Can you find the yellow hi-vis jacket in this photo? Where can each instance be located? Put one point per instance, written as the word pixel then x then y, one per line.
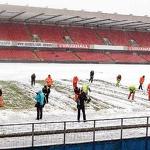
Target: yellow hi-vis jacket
pixel 85 88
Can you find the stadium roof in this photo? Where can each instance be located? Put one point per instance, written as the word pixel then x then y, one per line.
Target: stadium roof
pixel 12 13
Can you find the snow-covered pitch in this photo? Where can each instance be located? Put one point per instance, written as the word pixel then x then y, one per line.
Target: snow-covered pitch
pixel 108 101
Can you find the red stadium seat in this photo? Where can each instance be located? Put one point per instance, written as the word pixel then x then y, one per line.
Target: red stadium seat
pixel 83 35
pixel 48 33
pixel 46 55
pixel 93 56
pixel 125 57
pixel 19 54
pixel 78 35
pixel 13 31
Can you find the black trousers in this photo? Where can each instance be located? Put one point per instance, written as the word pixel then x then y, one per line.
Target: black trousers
pixel 46 96
pixel 83 112
pixel 39 112
pixel 91 79
pixel 32 82
pixel 140 87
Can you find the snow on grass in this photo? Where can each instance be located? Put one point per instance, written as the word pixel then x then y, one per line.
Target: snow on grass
pixel 108 101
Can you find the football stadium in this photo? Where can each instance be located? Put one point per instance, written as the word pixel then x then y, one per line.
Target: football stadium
pixel 93 62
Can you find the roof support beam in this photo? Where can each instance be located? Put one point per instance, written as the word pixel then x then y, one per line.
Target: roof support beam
pixel 16 15
pixel 67 19
pixel 128 23
pixel 116 22
pixel 83 20
pixel 143 27
pixel 148 29
pixel 50 18
pixel 2 11
pixel 133 25
pixel 96 21
pixel 33 17
pixel 113 21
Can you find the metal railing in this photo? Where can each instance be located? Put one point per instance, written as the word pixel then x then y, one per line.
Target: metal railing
pixel 69 132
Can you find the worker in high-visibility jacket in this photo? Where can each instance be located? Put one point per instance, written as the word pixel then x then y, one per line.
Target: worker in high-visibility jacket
pixel 75 82
pixel 49 81
pixel 86 88
pixel 132 90
pixel 141 81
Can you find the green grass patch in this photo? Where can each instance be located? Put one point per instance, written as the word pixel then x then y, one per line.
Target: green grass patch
pixel 14 97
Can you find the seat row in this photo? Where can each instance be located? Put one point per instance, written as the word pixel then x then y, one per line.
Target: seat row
pixel 77 35
pixel 26 55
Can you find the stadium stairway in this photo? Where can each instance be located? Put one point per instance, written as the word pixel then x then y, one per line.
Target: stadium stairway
pixel 77 55
pixel 146 57
pixel 36 56
pixel 28 31
pixel 99 37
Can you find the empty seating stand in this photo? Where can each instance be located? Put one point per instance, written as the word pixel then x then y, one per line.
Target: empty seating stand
pixel 17 55
pixel 71 56
pixel 146 56
pixel 14 32
pixel 142 38
pixel 47 55
pixel 115 37
pixel 93 57
pixel 77 35
pixel 126 57
pixel 83 35
pixel 47 33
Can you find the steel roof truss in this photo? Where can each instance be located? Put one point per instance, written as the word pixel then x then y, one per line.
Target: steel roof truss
pixel 55 16
pixel 113 21
pixel 116 23
pixel 33 17
pixel 128 23
pixel 83 20
pixel 2 11
pixel 133 25
pixel 66 19
pixel 17 15
pixel 96 21
pixel 143 27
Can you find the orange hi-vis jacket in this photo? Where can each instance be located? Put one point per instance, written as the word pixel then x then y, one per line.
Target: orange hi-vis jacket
pixel 75 81
pixel 148 88
pixel 49 81
pixel 141 80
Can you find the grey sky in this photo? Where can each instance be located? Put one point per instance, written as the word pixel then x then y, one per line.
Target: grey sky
pixel 135 7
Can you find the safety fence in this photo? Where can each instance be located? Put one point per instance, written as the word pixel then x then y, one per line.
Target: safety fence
pixel 72 132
